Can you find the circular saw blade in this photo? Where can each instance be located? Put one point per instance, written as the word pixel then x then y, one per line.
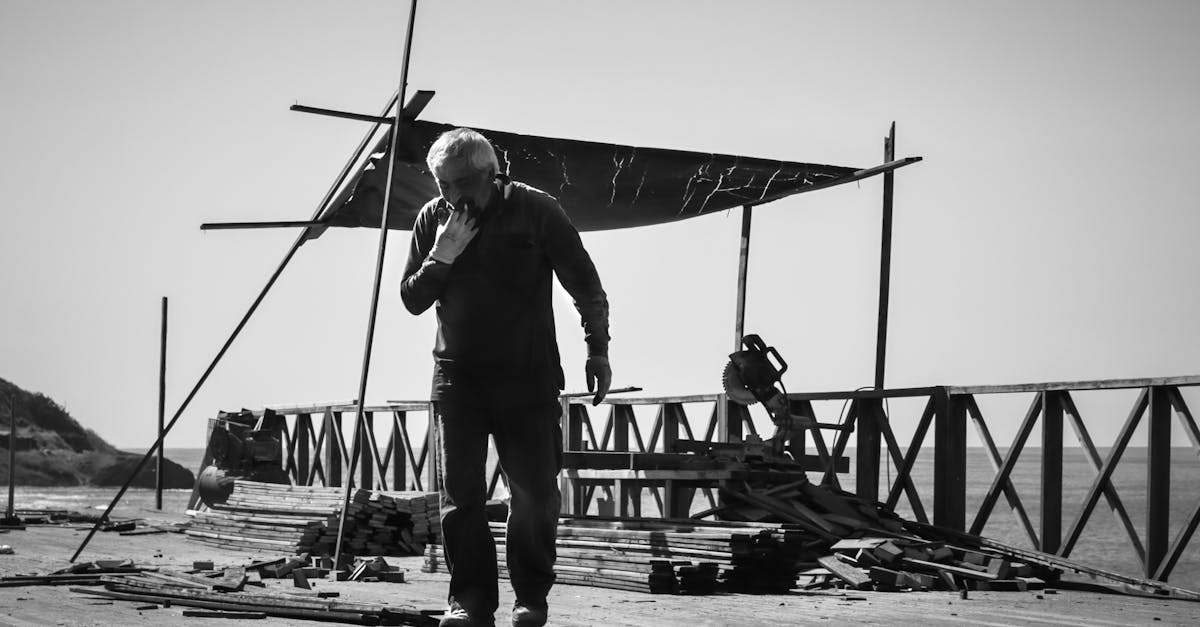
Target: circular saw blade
pixel 734 387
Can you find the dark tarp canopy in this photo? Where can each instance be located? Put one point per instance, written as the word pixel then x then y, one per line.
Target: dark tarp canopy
pixel 601 186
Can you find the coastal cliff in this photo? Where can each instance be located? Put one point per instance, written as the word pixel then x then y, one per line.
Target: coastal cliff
pixel 54 449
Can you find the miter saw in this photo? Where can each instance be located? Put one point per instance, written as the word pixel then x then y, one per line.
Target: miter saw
pixel 754 376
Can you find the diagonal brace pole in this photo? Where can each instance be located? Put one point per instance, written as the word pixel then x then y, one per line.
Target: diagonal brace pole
pixel 379 259
pixel 229 342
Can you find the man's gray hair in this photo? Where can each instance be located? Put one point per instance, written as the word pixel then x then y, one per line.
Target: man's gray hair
pixel 465 144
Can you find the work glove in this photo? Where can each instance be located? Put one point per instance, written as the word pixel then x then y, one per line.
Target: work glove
pixel 453 237
pixel 599 377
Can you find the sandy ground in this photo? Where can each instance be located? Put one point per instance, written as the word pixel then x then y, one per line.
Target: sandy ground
pixel 40 550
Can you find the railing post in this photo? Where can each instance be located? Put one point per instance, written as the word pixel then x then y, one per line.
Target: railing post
pixel 867 454
pixel 303 426
pixel 366 453
pixel 433 457
pixel 399 458
pixel 950 461
pixel 1052 468
pixel 730 429
pixel 1158 478
pixel 333 452
pixel 574 415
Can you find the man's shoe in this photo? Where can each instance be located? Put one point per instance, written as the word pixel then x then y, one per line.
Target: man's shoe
pixel 528 615
pixel 457 616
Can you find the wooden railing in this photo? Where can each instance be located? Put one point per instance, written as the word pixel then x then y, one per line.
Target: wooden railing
pixel 317 446
pixel 947 410
pixel 318 443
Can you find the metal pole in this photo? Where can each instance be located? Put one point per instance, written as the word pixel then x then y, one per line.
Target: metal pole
pixel 229 342
pixel 743 267
pixel 162 399
pixel 12 453
pixel 885 258
pixel 379 259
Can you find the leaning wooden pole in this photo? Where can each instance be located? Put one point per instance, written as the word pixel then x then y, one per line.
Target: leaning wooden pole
pixel 379 259
pixel 12 453
pixel 162 407
pixel 287 258
pixel 885 259
pixel 739 320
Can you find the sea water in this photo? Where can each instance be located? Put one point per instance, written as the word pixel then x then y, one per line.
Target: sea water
pixel 1103 543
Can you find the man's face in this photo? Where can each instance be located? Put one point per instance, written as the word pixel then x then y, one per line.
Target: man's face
pixel 458 181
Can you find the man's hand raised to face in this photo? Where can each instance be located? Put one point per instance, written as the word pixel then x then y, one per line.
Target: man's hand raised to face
pixel 599 377
pixel 453 237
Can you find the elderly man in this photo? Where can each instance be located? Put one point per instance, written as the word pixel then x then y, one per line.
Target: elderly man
pixel 485 251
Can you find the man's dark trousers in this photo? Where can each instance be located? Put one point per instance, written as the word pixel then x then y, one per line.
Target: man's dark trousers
pixel 529 444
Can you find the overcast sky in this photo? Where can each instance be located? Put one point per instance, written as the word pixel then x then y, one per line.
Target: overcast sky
pixel 1049 234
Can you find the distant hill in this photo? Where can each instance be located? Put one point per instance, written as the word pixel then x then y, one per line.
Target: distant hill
pixel 53 449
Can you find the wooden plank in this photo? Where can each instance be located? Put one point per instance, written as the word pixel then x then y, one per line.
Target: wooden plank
pixel 1103 384
pixel 854 577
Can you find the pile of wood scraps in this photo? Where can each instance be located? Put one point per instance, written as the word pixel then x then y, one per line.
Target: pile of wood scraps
pixel 82 574
pixel 303 519
pixel 227 593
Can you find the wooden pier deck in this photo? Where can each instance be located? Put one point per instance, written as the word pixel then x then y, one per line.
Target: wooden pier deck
pixel 45 549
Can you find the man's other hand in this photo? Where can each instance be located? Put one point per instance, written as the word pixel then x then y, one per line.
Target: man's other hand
pixel 599 377
pixel 453 237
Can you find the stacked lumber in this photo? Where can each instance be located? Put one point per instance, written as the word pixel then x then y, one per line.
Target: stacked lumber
pixel 782 535
pixel 670 557
pixel 306 519
pixel 226 591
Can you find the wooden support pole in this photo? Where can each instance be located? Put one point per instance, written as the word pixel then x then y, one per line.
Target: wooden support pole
pixel 162 407
pixel 1158 479
pixel 885 259
pixel 739 320
pixel 379 260
pixel 866 474
pixel 1052 468
pixel 950 461
pixel 12 453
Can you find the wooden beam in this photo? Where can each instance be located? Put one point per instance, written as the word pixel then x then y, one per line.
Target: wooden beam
pixel 224 226
pixel 950 462
pixel 412 109
pixel 1052 466
pixel 849 178
pixel 739 319
pixel 885 258
pixel 1158 479
pixel 1104 384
